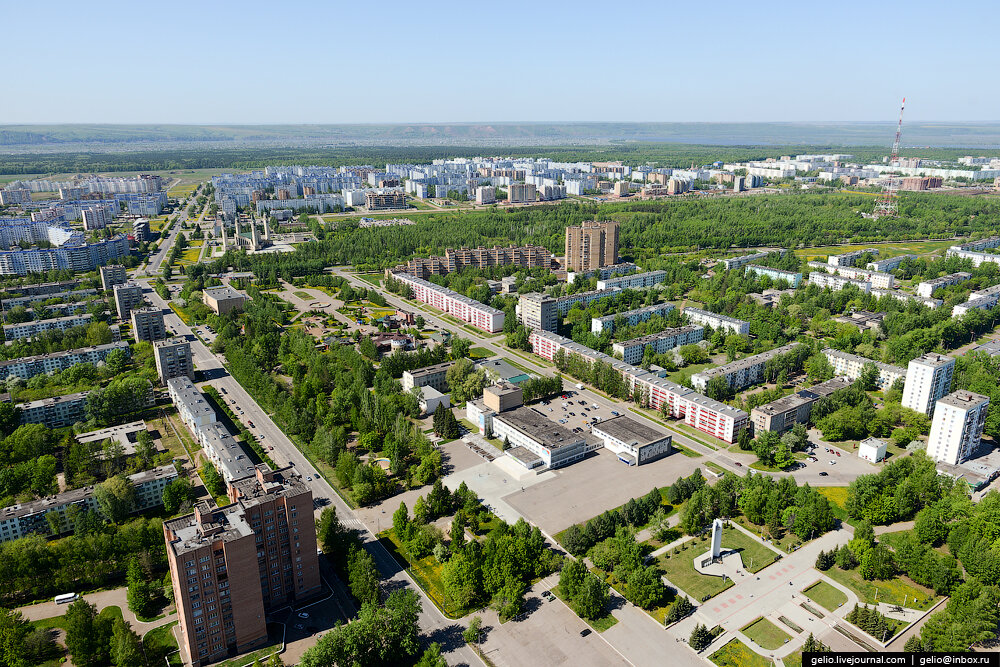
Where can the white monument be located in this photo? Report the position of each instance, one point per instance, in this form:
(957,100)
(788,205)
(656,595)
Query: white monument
(716,539)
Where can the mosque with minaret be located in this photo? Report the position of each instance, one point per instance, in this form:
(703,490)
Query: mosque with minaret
(249,238)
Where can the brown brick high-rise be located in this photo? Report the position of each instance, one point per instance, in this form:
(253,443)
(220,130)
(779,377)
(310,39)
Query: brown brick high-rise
(230,565)
(591,245)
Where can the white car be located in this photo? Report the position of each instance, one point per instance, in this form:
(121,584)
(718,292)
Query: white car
(832,462)
(303,614)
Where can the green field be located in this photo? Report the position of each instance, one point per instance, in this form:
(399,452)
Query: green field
(680,571)
(825,595)
(755,555)
(426,572)
(160,643)
(667,507)
(478,353)
(884,249)
(766,634)
(902,591)
(189,256)
(738,654)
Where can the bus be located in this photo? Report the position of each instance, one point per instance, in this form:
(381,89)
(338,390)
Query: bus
(66,598)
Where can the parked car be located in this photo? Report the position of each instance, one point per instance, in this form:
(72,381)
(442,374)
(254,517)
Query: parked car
(824,474)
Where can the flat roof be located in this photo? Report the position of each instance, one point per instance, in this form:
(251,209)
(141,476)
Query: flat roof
(55,355)
(666,333)
(719,316)
(783,404)
(749,362)
(55,400)
(539,427)
(627,429)
(430,370)
(224,292)
(963,399)
(654,309)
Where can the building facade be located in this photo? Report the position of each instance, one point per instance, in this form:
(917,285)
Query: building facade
(957,428)
(147,324)
(717,321)
(468,310)
(592,245)
(632,351)
(173,359)
(928,379)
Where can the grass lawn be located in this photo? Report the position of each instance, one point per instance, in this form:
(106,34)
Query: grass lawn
(479,352)
(180,312)
(305,296)
(667,507)
(785,544)
(680,571)
(738,654)
(715,467)
(766,634)
(160,643)
(902,591)
(825,595)
(892,541)
(600,624)
(754,554)
(793,659)
(468,425)
(699,436)
(688,371)
(426,572)
(275,637)
(884,249)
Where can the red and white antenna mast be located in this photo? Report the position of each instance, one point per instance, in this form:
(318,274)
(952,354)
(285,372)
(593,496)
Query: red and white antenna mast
(887,205)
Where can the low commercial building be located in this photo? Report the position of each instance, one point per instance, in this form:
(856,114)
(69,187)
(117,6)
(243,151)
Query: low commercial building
(28,367)
(632,351)
(55,412)
(851,366)
(222,300)
(742,373)
(553,445)
(429,376)
(468,310)
(431,398)
(599,325)
(927,287)
(29,518)
(173,359)
(633,442)
(503,397)
(790,277)
(35,327)
(872,449)
(147,324)
(717,321)
(782,414)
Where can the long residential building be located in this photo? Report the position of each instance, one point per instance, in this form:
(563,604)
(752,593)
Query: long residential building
(889,263)
(698,411)
(603,273)
(632,351)
(743,372)
(791,277)
(717,321)
(851,365)
(599,325)
(468,310)
(25,519)
(457,259)
(973,251)
(29,300)
(72,256)
(428,376)
(633,280)
(741,261)
(540,311)
(975,303)
(28,367)
(217,443)
(35,327)
(850,258)
(55,412)
(927,287)
(906,298)
(835,282)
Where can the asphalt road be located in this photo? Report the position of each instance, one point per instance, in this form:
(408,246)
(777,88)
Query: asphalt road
(432,623)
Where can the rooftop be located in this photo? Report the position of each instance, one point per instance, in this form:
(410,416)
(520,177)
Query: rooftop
(652,310)
(964,399)
(431,370)
(666,333)
(55,400)
(539,427)
(224,292)
(933,359)
(708,313)
(56,355)
(627,429)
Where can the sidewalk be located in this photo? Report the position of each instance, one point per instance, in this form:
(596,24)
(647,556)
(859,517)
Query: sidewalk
(116,597)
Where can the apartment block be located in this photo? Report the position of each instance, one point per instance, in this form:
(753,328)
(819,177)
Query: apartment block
(957,428)
(429,376)
(29,518)
(851,365)
(782,414)
(127,296)
(790,277)
(603,273)
(55,412)
(173,359)
(717,321)
(230,566)
(28,367)
(485,194)
(739,262)
(633,280)
(927,287)
(591,245)
(468,310)
(379,200)
(599,325)
(147,324)
(850,258)
(537,311)
(975,303)
(889,263)
(521,193)
(928,379)
(35,327)
(632,351)
(835,282)
(742,373)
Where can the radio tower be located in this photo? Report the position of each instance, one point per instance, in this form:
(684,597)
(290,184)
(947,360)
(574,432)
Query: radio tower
(887,206)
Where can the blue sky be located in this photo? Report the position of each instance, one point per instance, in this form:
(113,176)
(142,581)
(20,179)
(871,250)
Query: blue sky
(341,62)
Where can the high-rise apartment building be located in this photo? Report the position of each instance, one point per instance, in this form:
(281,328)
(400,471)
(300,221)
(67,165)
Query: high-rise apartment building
(957,427)
(173,359)
(520,193)
(127,297)
(147,324)
(928,378)
(111,275)
(229,566)
(591,245)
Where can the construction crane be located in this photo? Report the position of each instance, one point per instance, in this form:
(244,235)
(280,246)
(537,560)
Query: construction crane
(887,205)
